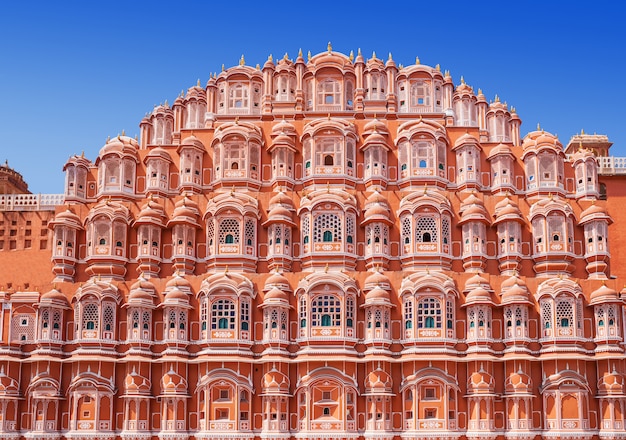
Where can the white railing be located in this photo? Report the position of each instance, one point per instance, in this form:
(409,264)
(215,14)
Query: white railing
(611,165)
(30,202)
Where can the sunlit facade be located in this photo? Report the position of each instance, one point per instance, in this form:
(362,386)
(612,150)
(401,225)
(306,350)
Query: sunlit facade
(330,247)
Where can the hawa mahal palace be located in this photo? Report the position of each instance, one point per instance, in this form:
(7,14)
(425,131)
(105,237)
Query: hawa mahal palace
(325,247)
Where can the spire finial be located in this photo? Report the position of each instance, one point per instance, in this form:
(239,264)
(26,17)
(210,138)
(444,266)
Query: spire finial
(358,52)
(351,56)
(270,57)
(538,127)
(329,47)
(417,60)
(286,56)
(300,52)
(308,56)
(462,80)
(242,61)
(438,68)
(223,69)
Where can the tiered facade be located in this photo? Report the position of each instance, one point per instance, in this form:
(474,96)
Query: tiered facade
(330,248)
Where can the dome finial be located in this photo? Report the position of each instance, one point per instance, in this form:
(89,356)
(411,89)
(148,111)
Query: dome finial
(242,61)
(286,56)
(329,47)
(351,57)
(223,69)
(462,80)
(538,126)
(270,57)
(308,56)
(417,60)
(299,52)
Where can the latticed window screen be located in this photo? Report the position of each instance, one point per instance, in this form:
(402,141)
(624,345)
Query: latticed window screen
(406,230)
(108,317)
(611,315)
(274,319)
(229,231)
(250,232)
(145,320)
(508,317)
(245,314)
(350,312)
(135,319)
(182,320)
(564,313)
(23,327)
(303,312)
(171,319)
(520,317)
(408,313)
(445,230)
(203,312)
(56,320)
(378,317)
(579,313)
(210,230)
(350,228)
(429,313)
(223,314)
(327,227)
(283,320)
(450,315)
(546,314)
(426,230)
(45,318)
(305,228)
(326,311)
(91,318)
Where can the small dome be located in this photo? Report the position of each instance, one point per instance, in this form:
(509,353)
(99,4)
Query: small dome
(518,382)
(151,212)
(594,212)
(611,383)
(500,150)
(602,295)
(478,295)
(175,295)
(144,284)
(377,294)
(473,209)
(275,294)
(192,140)
(375,126)
(506,210)
(376,209)
(277,280)
(378,381)
(67,218)
(178,281)
(480,382)
(185,211)
(464,140)
(377,279)
(134,383)
(281,199)
(173,383)
(8,385)
(120,145)
(159,153)
(53,295)
(284,128)
(275,382)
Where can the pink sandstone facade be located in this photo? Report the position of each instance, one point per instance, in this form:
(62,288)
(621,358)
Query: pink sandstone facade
(323,248)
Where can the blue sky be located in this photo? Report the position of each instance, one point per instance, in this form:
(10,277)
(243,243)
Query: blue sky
(74,72)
